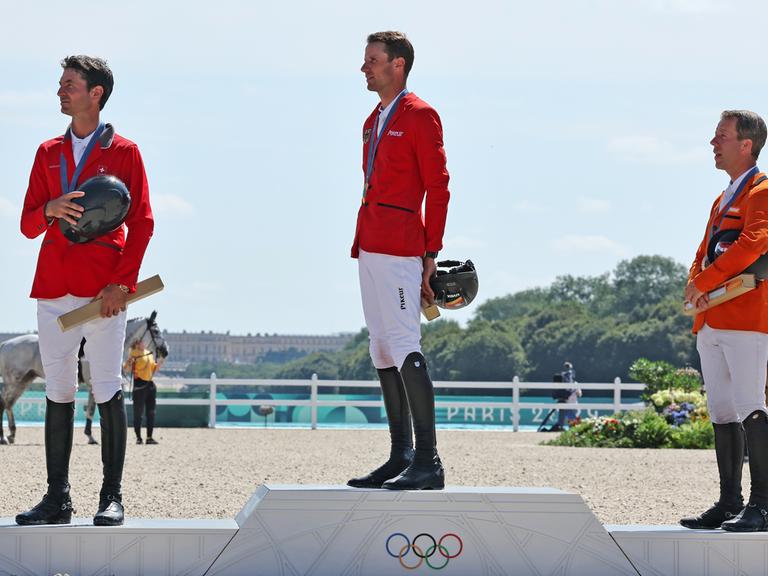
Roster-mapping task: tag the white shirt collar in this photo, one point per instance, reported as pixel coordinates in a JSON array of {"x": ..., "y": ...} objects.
[
  {"x": 733, "y": 186},
  {"x": 385, "y": 112},
  {"x": 79, "y": 144}
]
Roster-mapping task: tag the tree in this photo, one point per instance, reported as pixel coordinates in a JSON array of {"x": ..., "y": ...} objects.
[
  {"x": 647, "y": 280},
  {"x": 486, "y": 351},
  {"x": 516, "y": 305}
]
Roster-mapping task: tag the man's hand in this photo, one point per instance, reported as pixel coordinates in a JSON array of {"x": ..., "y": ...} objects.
[
  {"x": 695, "y": 296},
  {"x": 429, "y": 270},
  {"x": 63, "y": 207},
  {"x": 113, "y": 300}
]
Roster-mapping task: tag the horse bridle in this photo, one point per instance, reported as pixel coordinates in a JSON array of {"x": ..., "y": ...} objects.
[{"x": 148, "y": 328}]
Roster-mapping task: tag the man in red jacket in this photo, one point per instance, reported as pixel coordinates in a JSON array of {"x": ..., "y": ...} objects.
[
  {"x": 70, "y": 275},
  {"x": 396, "y": 247}
]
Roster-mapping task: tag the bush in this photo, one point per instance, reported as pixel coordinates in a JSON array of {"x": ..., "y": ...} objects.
[
  {"x": 646, "y": 429},
  {"x": 680, "y": 407},
  {"x": 695, "y": 434},
  {"x": 659, "y": 376},
  {"x": 653, "y": 431}
]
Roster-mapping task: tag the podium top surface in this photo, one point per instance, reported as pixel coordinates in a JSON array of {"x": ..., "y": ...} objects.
[
  {"x": 676, "y": 531},
  {"x": 446, "y": 490},
  {"x": 134, "y": 525}
]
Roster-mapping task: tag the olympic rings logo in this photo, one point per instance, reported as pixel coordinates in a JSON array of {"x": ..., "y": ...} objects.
[{"x": 449, "y": 546}]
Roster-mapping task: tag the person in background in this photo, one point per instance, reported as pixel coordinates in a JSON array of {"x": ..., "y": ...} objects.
[
  {"x": 568, "y": 376},
  {"x": 141, "y": 363}
]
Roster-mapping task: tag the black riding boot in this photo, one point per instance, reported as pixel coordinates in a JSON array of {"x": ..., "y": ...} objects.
[
  {"x": 114, "y": 430},
  {"x": 400, "y": 433},
  {"x": 754, "y": 518},
  {"x": 729, "y": 450},
  {"x": 56, "y": 506},
  {"x": 426, "y": 470}
]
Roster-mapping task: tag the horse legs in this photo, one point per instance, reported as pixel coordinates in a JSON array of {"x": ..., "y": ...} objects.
[
  {"x": 2, "y": 409},
  {"x": 11, "y": 398},
  {"x": 11, "y": 426},
  {"x": 89, "y": 411}
]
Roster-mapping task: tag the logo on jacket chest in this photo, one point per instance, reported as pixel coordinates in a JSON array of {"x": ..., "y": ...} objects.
[
  {"x": 367, "y": 135},
  {"x": 101, "y": 170},
  {"x": 395, "y": 133}
]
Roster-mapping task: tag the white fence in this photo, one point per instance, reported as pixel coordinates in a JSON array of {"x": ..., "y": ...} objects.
[{"x": 510, "y": 400}]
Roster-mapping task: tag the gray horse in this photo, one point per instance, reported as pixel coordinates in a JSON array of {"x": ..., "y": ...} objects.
[{"x": 20, "y": 363}]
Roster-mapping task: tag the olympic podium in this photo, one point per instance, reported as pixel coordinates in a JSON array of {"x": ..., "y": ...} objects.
[
  {"x": 292, "y": 530},
  {"x": 327, "y": 530}
]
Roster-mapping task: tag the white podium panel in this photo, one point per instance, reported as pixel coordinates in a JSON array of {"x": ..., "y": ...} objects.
[
  {"x": 151, "y": 547},
  {"x": 678, "y": 551},
  {"x": 341, "y": 531}
]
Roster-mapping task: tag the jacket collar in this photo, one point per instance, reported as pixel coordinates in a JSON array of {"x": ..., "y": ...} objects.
[
  {"x": 406, "y": 103},
  {"x": 105, "y": 140}
]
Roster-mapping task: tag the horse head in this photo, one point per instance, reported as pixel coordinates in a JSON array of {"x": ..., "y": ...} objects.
[{"x": 147, "y": 330}]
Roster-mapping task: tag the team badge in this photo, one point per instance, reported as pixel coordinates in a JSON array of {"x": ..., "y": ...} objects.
[{"x": 367, "y": 135}]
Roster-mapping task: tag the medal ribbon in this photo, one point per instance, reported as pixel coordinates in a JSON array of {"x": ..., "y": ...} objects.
[
  {"x": 719, "y": 222},
  {"x": 67, "y": 185},
  {"x": 375, "y": 139}
]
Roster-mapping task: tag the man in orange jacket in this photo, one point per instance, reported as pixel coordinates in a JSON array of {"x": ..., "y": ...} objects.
[
  {"x": 70, "y": 275},
  {"x": 732, "y": 338},
  {"x": 396, "y": 247}
]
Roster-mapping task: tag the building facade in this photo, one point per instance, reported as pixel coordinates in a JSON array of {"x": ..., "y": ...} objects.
[{"x": 249, "y": 349}]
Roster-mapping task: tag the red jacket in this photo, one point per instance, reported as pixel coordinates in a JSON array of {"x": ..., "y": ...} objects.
[
  {"x": 410, "y": 161},
  {"x": 748, "y": 213},
  {"x": 84, "y": 269}
]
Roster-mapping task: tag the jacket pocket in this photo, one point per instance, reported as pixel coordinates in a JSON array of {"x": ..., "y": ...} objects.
[
  {"x": 395, "y": 207},
  {"x": 108, "y": 245}
]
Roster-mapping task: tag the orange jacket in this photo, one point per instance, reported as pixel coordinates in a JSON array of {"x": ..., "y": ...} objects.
[{"x": 749, "y": 212}]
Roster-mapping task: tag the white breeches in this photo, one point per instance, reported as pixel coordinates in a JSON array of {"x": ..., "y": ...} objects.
[
  {"x": 58, "y": 350},
  {"x": 390, "y": 287},
  {"x": 733, "y": 363}
]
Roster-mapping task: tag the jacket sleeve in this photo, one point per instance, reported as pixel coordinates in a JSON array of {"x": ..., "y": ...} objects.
[
  {"x": 139, "y": 222},
  {"x": 33, "y": 220},
  {"x": 750, "y": 245},
  {"x": 434, "y": 174}
]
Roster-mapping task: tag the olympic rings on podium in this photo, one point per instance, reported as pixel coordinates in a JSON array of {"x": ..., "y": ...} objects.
[{"x": 425, "y": 554}]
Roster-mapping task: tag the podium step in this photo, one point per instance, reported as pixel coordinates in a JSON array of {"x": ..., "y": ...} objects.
[
  {"x": 341, "y": 531},
  {"x": 151, "y": 547},
  {"x": 293, "y": 530},
  {"x": 677, "y": 551}
]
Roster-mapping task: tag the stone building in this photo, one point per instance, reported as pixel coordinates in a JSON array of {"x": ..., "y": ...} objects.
[{"x": 248, "y": 349}]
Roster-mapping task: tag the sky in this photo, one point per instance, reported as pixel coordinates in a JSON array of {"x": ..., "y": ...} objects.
[{"x": 577, "y": 136}]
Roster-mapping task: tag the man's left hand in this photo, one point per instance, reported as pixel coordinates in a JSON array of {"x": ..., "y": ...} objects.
[
  {"x": 113, "y": 300},
  {"x": 429, "y": 270}
]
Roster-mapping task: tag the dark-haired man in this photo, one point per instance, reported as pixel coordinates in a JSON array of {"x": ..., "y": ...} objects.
[
  {"x": 732, "y": 338},
  {"x": 396, "y": 247},
  {"x": 70, "y": 275}
]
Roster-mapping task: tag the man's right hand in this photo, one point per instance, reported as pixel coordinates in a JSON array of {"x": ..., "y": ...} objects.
[{"x": 63, "y": 207}]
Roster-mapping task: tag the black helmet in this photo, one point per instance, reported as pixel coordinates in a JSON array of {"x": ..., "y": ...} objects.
[
  {"x": 723, "y": 239},
  {"x": 106, "y": 202},
  {"x": 454, "y": 288}
]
